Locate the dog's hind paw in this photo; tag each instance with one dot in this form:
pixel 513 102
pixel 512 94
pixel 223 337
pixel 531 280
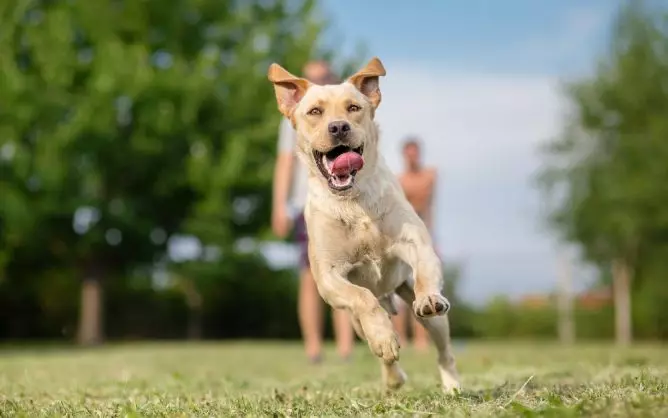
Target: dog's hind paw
pixel 450 381
pixel 393 376
pixel 430 305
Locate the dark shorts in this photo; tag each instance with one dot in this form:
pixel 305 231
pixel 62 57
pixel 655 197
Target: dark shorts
pixel 301 237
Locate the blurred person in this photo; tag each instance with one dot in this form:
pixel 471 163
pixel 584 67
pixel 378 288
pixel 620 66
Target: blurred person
pixel 418 184
pixel 289 198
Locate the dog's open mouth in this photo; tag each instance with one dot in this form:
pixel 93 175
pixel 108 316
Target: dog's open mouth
pixel 340 165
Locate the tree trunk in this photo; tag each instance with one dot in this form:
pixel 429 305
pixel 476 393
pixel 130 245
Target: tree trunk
pixel 566 325
pixel 194 302
pixel 90 312
pixel 195 324
pixel 621 287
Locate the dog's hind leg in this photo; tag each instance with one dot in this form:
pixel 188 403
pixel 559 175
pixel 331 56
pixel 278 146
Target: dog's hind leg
pixel 393 376
pixel 387 302
pixel 438 328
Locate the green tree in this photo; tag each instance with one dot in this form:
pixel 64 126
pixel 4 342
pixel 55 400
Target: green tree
pixel 124 123
pixel 230 170
pixel 608 170
pixel 462 314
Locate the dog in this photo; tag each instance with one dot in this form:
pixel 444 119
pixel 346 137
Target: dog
pixel 366 242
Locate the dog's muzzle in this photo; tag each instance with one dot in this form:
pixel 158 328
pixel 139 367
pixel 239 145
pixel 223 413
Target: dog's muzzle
pixel 340 165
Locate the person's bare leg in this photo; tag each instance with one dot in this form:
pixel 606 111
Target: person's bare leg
pixel 343 332
pixel 420 335
pixel 400 322
pixel 310 315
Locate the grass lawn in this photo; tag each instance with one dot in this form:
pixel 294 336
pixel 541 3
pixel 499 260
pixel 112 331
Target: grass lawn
pixel 272 379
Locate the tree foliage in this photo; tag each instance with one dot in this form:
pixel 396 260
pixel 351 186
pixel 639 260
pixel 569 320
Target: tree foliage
pixel 610 162
pixel 608 170
pixel 124 124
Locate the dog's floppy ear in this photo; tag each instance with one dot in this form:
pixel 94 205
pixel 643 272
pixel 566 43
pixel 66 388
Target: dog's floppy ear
pixel 289 88
pixel 366 80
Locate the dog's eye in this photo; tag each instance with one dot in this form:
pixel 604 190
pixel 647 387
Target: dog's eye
pixel 354 108
pixel 315 111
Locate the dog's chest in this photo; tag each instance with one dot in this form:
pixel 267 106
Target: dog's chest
pixel 365 240
pixel 369 253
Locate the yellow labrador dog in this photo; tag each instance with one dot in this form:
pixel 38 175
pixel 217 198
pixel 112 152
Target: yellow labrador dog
pixel 365 240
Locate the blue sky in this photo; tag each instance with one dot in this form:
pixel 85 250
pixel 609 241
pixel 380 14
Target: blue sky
pixel 479 82
pixel 553 37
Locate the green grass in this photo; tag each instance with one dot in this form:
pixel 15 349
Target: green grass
pixel 272 379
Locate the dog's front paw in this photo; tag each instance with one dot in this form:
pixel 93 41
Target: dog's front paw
pixel 385 347
pixel 430 305
pixel 381 337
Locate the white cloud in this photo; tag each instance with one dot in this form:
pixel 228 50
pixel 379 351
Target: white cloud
pixel 482 132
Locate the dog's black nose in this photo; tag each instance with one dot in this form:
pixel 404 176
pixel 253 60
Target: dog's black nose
pixel 339 129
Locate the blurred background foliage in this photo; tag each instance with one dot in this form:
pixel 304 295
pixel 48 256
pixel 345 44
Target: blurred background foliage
pixel 129 126
pixel 125 124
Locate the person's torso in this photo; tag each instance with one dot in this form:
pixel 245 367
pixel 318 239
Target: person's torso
pixel 418 189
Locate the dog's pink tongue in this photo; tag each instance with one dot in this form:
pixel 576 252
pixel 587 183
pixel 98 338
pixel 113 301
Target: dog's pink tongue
pixel 345 163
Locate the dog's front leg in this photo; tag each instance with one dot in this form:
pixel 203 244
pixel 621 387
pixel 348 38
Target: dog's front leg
pixel 372 321
pixel 439 331
pixel 427 276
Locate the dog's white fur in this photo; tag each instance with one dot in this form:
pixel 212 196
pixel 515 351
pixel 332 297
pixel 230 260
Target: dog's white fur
pixel 366 242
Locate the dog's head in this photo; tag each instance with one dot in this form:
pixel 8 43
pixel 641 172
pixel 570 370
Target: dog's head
pixel 334 123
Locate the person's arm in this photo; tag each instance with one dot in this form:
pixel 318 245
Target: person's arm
pixel 282 178
pixel 429 221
